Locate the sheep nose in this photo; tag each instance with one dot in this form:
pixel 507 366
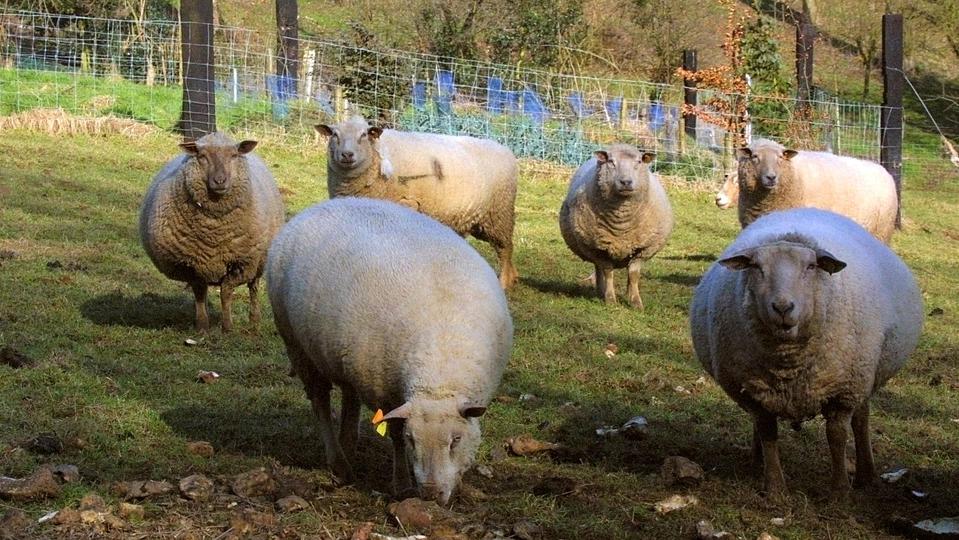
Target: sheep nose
pixel 430 492
pixel 770 178
pixel 347 155
pixel 783 307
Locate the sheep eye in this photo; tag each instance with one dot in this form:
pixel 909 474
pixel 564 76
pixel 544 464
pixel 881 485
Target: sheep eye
pixel 362 136
pixel 811 267
pixel 455 441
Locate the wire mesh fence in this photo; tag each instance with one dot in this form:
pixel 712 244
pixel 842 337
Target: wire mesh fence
pixel 134 69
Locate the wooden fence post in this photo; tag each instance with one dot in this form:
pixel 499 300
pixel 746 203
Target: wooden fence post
pixel 198 114
pixel 805 38
pixel 287 53
pixel 689 93
pixel 890 146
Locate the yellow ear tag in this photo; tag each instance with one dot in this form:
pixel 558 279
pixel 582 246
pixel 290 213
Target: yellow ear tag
pixel 379 423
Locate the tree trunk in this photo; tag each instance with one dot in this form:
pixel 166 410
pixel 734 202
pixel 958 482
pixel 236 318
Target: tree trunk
pixel 811 10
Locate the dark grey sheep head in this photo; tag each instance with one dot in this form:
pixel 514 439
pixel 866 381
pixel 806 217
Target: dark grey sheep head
pixel 782 282
pixel 350 143
pixel 622 171
pixel 761 164
pixel 219 159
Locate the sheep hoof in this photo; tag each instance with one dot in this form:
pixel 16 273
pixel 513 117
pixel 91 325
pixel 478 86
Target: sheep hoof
pixel 637 303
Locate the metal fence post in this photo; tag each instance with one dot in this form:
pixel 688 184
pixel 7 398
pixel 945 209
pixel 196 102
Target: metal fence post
pixel 689 93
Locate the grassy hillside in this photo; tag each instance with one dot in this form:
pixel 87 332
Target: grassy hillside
pixel 110 375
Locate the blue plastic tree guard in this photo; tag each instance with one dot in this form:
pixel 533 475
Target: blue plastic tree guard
pixel 495 96
pixel 419 95
pixel 281 88
pixel 533 106
pixel 613 106
pixel 657 115
pixel 579 107
pixel 444 92
pixel 512 100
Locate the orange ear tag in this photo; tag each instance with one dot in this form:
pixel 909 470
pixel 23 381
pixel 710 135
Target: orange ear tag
pixel 379 423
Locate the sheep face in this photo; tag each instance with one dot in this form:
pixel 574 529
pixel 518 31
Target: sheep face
pixel 441 438
pixel 218 163
pixel 763 167
pixel 728 194
pixel 622 173
pixel 781 282
pixel 350 144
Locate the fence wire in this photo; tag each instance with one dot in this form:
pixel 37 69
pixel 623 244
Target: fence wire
pixel 133 69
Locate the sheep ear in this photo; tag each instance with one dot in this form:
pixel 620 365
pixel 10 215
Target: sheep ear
pixel 648 156
pixel 374 132
pixel 471 409
pixel 739 261
pixel 828 262
pixel 601 156
pixel 789 154
pixel 400 413
pixel 744 153
pixel 324 130
pixel 189 148
pixel 246 146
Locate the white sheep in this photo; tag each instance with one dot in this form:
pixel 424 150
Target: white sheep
pixel 404 316
pixel 616 214
pixel 467 183
pixel 728 194
pixel 772 177
pixel 208 219
pixel 806 314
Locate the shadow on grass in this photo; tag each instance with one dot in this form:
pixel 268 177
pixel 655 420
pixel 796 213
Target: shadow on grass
pixel 571 289
pixel 705 257
pixel 148 310
pixel 686 280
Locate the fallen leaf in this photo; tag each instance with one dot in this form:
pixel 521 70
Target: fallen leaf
pixel 524 445
pixel 292 503
pixel 635 428
pixel 675 502
pixel 190 342
pixel 894 475
pixel 207 377
pixel 414 513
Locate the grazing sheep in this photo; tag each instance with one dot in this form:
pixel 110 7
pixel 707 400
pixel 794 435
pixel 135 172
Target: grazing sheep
pixel 616 214
pixel 404 316
pixel 728 195
pixel 467 183
pixel 774 178
pixel 806 314
pixel 208 218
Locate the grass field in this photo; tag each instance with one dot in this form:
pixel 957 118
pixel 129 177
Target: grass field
pixel 111 376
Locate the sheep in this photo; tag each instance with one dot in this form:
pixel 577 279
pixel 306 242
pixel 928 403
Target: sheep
pixel 804 314
pixel 616 214
pixel 207 219
pixel 728 195
pixel 404 316
pixel 466 183
pixel 772 177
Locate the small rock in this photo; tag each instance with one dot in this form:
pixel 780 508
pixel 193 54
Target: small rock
pixel 41 484
pixel 635 428
pixel 485 471
pixel 93 503
pixel 940 528
pixel 47 517
pixel 362 532
pixel 682 471
pixel 256 483
pixel 766 536
pixel 196 487
pixel 414 513
pixel 14 358
pixel 13 524
pixel 894 475
pixel 66 473
pixel 140 489
pixel 207 377
pixel 291 504
pixel 200 448
pixel 527 530
pixel 45 443
pixel 675 502
pixel 66 516
pixel 528 397
pixel 131 511
pixel 524 445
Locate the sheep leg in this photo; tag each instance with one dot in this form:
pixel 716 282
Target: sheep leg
pixel 757 453
pixel 632 284
pixel 349 420
pixel 605 286
pixel 402 480
pixel 254 287
pixel 319 393
pixel 199 296
pixel 226 306
pixel 768 431
pixel 865 468
pixel 836 435
pixel 508 275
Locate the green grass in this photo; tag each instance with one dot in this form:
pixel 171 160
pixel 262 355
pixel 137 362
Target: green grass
pixel 111 368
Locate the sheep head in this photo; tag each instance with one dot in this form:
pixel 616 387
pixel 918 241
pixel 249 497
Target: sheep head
pixel 350 143
pixel 219 160
pixel 622 171
pixel 728 194
pixel 441 437
pixel 762 165
pixel 782 280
